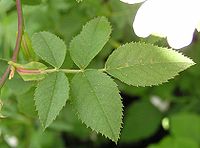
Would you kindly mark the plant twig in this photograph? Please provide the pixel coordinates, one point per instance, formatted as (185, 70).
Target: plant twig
(20, 30)
(18, 42)
(68, 71)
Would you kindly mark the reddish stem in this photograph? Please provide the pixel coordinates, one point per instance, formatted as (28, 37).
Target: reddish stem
(18, 42)
(20, 30)
(28, 71)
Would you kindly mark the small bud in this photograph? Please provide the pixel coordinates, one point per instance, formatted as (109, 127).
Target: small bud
(26, 48)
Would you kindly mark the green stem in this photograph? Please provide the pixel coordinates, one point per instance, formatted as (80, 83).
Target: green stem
(68, 71)
(71, 71)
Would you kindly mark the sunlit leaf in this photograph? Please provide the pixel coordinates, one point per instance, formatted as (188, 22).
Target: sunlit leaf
(141, 64)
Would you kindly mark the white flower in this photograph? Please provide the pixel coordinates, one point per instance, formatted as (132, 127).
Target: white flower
(174, 19)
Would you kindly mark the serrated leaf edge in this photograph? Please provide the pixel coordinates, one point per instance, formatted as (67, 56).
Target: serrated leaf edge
(108, 38)
(36, 109)
(56, 66)
(122, 115)
(143, 43)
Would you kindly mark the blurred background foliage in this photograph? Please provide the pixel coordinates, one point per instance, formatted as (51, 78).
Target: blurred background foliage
(156, 117)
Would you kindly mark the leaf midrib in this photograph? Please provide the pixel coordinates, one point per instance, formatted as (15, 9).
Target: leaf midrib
(91, 43)
(105, 116)
(117, 68)
(51, 100)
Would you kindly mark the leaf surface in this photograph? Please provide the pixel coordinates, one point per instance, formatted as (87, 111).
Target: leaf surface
(85, 46)
(50, 96)
(141, 64)
(96, 99)
(50, 48)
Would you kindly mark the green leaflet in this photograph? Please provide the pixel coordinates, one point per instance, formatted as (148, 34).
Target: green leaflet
(50, 48)
(96, 99)
(32, 71)
(141, 121)
(85, 46)
(141, 64)
(51, 95)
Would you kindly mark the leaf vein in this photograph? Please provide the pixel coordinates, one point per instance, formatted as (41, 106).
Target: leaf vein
(51, 99)
(107, 120)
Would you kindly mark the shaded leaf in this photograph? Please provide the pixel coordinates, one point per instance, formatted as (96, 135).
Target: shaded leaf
(186, 125)
(171, 142)
(141, 121)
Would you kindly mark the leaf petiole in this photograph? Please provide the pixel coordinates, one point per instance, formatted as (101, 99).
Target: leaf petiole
(68, 71)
